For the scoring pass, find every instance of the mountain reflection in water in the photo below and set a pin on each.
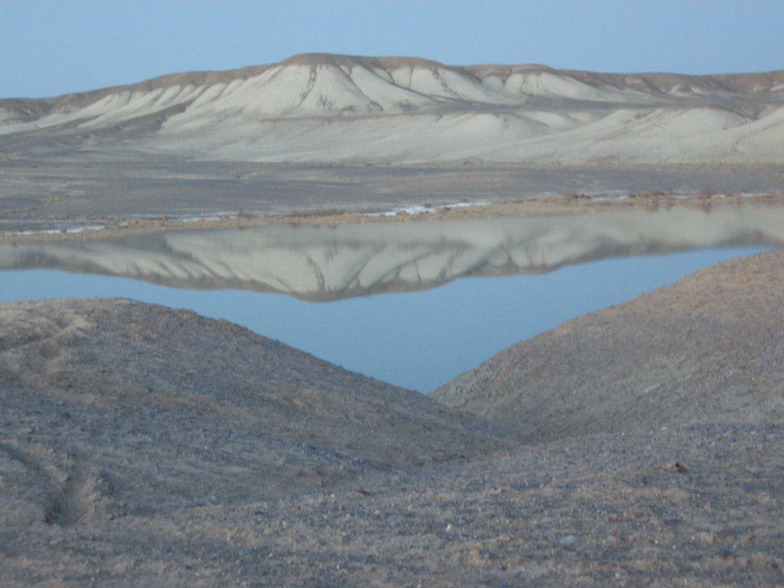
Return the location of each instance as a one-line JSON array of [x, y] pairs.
[[266, 279], [323, 264]]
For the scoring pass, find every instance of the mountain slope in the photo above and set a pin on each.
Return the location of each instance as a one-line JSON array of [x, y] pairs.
[[707, 349], [326, 108]]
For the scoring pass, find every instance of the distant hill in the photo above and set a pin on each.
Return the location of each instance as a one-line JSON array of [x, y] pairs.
[[330, 108], [709, 349]]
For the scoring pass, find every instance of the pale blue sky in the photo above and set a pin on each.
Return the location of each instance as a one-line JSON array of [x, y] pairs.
[[53, 48]]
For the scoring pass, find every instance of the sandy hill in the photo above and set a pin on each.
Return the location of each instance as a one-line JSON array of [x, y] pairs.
[[329, 108], [709, 349], [130, 409]]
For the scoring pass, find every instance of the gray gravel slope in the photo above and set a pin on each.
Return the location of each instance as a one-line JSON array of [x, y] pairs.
[[158, 409], [707, 349]]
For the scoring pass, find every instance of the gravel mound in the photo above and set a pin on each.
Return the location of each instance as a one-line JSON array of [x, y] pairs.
[[708, 349], [127, 408]]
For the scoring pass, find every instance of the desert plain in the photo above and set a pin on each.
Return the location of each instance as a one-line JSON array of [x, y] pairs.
[[639, 445]]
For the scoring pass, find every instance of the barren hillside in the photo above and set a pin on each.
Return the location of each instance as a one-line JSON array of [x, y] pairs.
[[708, 349], [160, 409], [339, 109]]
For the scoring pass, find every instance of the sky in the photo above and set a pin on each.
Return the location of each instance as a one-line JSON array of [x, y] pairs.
[[50, 48]]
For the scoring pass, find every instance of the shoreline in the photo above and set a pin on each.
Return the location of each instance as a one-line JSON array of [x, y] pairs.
[[94, 228]]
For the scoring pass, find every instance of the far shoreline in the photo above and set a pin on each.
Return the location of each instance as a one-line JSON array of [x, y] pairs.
[[94, 228]]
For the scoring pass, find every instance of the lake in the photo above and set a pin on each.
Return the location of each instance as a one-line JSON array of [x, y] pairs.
[[416, 303]]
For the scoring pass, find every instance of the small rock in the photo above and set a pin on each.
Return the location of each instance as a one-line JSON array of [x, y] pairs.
[[677, 467], [568, 540]]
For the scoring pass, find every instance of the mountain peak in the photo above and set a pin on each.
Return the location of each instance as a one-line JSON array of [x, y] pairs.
[[337, 60], [323, 59]]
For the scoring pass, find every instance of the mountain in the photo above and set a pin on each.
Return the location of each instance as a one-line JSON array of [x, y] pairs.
[[708, 349], [320, 263], [338, 109]]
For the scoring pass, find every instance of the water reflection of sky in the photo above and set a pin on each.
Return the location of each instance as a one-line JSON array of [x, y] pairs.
[[418, 340]]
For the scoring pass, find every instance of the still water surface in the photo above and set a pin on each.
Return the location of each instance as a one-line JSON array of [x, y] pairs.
[[445, 297]]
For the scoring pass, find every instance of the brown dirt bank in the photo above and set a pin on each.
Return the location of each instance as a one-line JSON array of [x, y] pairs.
[[89, 228]]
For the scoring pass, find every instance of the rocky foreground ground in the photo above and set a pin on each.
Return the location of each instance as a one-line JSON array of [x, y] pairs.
[[147, 446]]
